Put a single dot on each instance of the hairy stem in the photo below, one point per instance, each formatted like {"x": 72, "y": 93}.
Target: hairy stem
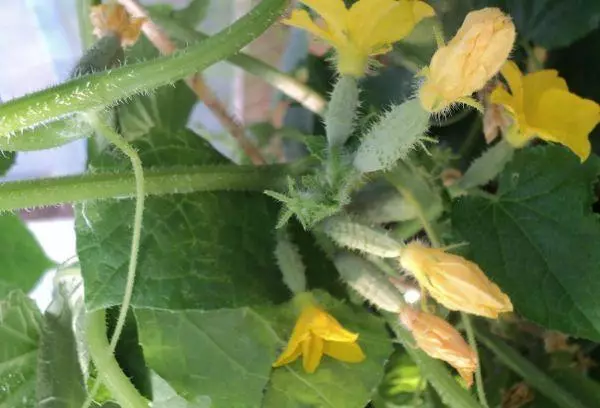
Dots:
{"x": 109, "y": 371}
{"x": 196, "y": 82}
{"x": 473, "y": 343}
{"x": 168, "y": 180}
{"x": 138, "y": 171}
{"x": 106, "y": 88}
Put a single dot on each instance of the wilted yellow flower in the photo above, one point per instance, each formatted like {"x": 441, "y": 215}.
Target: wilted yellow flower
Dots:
{"x": 440, "y": 340}
{"x": 453, "y": 281}
{"x": 113, "y": 19}
{"x": 368, "y": 28}
{"x": 542, "y": 106}
{"x": 317, "y": 333}
{"x": 471, "y": 58}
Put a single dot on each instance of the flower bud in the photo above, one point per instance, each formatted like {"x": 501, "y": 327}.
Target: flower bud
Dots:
{"x": 453, "y": 281}
{"x": 440, "y": 340}
{"x": 469, "y": 60}
{"x": 113, "y": 19}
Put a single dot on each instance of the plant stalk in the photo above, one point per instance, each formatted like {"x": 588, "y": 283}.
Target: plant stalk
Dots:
{"x": 104, "y": 89}
{"x": 109, "y": 371}
{"x": 168, "y": 180}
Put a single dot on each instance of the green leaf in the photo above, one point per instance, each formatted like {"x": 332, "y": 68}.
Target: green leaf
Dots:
{"x": 60, "y": 380}
{"x": 549, "y": 23}
{"x": 23, "y": 261}
{"x": 166, "y": 397}
{"x": 19, "y": 341}
{"x": 334, "y": 384}
{"x": 226, "y": 355}
{"x": 7, "y": 159}
{"x": 202, "y": 250}
{"x": 538, "y": 238}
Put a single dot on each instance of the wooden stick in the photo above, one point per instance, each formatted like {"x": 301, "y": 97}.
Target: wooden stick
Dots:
{"x": 196, "y": 82}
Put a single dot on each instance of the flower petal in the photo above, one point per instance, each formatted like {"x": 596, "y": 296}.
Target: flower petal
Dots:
{"x": 301, "y": 19}
{"x": 389, "y": 21}
{"x": 312, "y": 351}
{"x": 330, "y": 329}
{"x": 334, "y": 13}
{"x": 289, "y": 354}
{"x": 512, "y": 74}
{"x": 300, "y": 333}
{"x": 347, "y": 352}
{"x": 536, "y": 84}
{"x": 568, "y": 119}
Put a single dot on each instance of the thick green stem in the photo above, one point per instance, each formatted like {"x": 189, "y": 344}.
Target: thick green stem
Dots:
{"x": 449, "y": 390}
{"x": 529, "y": 372}
{"x": 172, "y": 180}
{"x": 105, "y": 89}
{"x": 109, "y": 371}
{"x": 138, "y": 171}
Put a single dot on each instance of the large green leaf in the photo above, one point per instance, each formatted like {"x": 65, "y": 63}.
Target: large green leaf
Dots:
{"x": 538, "y": 239}
{"x": 20, "y": 322}
{"x": 166, "y": 397}
{"x": 60, "y": 380}
{"x": 226, "y": 355}
{"x": 334, "y": 384}
{"x": 202, "y": 250}
{"x": 549, "y": 23}
{"x": 23, "y": 261}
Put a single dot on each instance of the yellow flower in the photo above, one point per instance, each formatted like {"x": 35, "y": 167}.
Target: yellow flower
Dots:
{"x": 113, "y": 19}
{"x": 368, "y": 28}
{"x": 317, "y": 333}
{"x": 453, "y": 281}
{"x": 471, "y": 58}
{"x": 541, "y": 105}
{"x": 440, "y": 340}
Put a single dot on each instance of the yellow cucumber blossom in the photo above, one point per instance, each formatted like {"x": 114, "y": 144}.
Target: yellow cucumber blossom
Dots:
{"x": 113, "y": 19}
{"x": 541, "y": 105}
{"x": 440, "y": 340}
{"x": 468, "y": 61}
{"x": 453, "y": 281}
{"x": 368, "y": 28}
{"x": 317, "y": 333}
